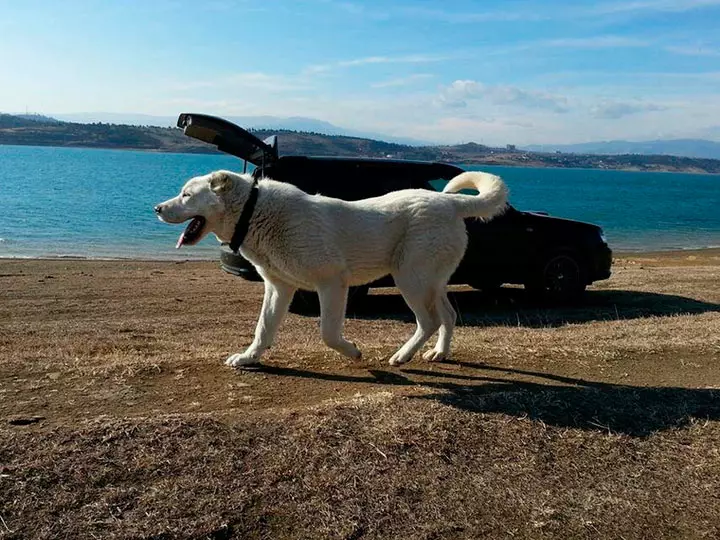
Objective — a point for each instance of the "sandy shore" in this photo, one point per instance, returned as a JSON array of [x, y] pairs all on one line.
[[119, 420], [689, 257]]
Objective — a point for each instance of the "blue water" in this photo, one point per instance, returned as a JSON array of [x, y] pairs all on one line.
[[639, 211], [66, 202]]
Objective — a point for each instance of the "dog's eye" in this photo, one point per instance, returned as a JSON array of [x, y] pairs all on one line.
[[185, 195]]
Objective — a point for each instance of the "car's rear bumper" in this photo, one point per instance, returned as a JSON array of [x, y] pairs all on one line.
[[601, 263]]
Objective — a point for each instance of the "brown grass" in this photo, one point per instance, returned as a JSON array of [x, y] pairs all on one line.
[[119, 420]]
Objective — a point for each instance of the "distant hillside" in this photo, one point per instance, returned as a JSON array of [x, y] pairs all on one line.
[[38, 118], [9, 121], [265, 122], [23, 131], [697, 148]]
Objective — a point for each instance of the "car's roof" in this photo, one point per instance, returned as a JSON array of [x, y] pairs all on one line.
[[424, 168], [354, 178], [386, 161]]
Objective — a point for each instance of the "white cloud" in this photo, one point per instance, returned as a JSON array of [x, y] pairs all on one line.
[[609, 109], [588, 117], [527, 12], [369, 60], [408, 59], [449, 16], [460, 92]]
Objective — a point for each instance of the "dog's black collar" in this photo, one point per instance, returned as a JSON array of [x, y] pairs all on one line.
[[243, 224]]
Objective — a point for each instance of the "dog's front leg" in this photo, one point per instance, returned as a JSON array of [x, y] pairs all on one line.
[[274, 308]]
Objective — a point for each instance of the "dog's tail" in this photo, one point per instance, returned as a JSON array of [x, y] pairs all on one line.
[[490, 200]]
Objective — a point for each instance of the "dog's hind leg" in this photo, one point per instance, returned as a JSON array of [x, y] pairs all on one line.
[[333, 302], [422, 299], [448, 316], [274, 308]]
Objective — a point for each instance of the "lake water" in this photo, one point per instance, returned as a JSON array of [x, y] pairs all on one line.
[[72, 202]]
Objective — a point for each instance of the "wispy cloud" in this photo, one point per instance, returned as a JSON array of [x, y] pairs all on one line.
[[409, 59], [450, 16], [524, 13], [390, 11], [594, 42], [403, 81], [698, 50], [612, 110], [668, 6], [540, 12], [708, 76], [460, 92], [368, 60]]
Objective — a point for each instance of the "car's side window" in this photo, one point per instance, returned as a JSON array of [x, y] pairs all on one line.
[[438, 184]]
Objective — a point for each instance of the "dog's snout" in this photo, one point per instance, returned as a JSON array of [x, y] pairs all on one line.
[[158, 209]]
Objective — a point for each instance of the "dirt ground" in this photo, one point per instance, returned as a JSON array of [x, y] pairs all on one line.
[[118, 418]]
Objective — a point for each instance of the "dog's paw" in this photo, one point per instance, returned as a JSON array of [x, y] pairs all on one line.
[[240, 360], [398, 360], [434, 356]]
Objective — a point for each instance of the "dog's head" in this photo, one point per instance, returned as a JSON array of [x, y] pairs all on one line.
[[204, 200]]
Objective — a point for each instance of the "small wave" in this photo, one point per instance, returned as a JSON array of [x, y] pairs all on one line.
[[694, 248], [656, 249]]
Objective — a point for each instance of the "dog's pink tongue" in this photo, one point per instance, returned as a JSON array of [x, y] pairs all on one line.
[[180, 241]]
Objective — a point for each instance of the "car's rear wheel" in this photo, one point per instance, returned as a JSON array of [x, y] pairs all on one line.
[[308, 303], [559, 277]]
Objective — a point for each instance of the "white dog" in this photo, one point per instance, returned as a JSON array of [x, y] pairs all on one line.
[[312, 242]]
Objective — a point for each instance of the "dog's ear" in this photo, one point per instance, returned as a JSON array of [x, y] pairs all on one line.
[[220, 182]]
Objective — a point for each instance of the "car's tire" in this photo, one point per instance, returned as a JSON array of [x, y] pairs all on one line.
[[558, 277], [356, 297], [308, 303], [305, 303]]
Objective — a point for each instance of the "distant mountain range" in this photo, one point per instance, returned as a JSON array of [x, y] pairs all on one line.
[[293, 123], [35, 130], [695, 148]]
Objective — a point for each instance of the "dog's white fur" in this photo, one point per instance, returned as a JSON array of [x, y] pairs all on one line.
[[312, 242]]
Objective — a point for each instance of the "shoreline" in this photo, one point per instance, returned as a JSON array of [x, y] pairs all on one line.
[[681, 253], [711, 250], [475, 162]]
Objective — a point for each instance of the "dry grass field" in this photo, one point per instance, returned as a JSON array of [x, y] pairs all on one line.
[[119, 420]]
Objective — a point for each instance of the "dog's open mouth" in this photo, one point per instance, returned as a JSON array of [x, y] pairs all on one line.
[[192, 233]]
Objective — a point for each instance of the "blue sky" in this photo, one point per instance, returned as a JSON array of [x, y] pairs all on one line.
[[454, 71]]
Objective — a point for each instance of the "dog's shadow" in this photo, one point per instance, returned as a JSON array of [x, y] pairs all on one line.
[[514, 307], [560, 401]]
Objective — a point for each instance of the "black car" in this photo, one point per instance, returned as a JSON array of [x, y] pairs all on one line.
[[552, 257]]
